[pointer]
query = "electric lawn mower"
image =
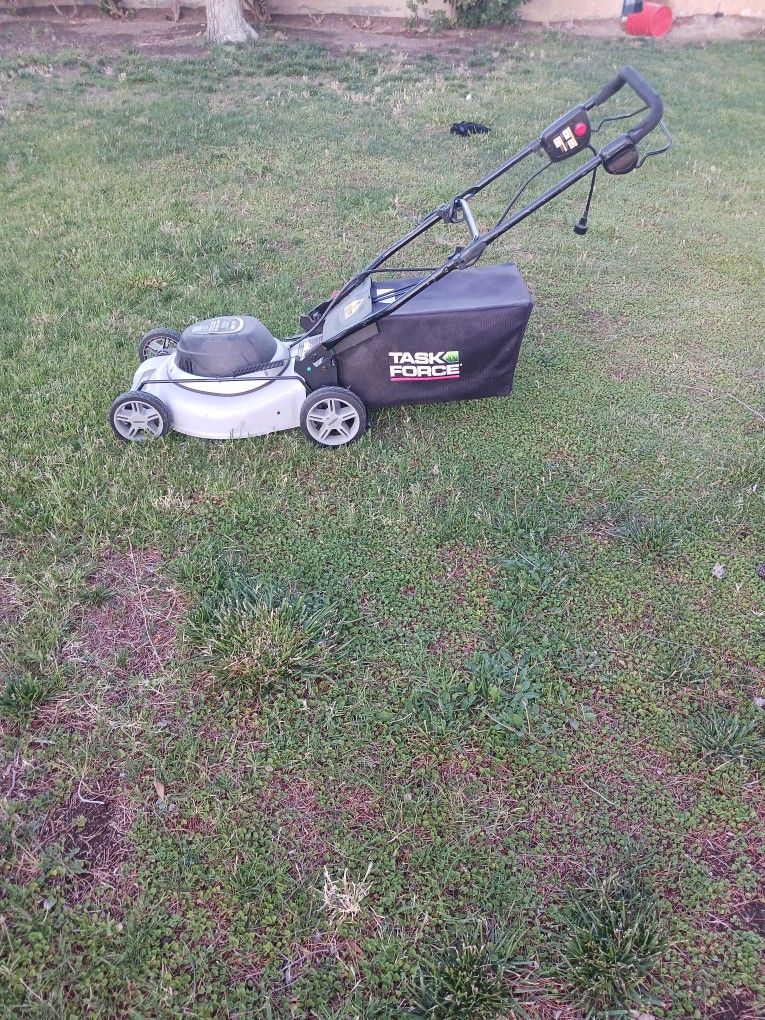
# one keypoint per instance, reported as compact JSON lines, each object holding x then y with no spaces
{"x":452,"y":332}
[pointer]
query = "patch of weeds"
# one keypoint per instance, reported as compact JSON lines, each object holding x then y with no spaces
{"x":720,"y":736}
{"x":506,"y":686}
{"x":474,"y":980}
{"x":256,"y":639}
{"x":649,"y":534}
{"x":440,"y":709}
{"x":496,"y":686}
{"x":97,"y":594}
{"x":682,"y":664}
{"x":531,"y":523}
{"x":114,"y":9}
{"x":413,"y":6}
{"x":58,"y":863}
{"x":440,"y":21}
{"x":487,"y":12}
{"x":536,"y":570}
{"x":356,"y":1009}
{"x":505,"y":689}
{"x":539,"y":639}
{"x":23,"y":695}
{"x":612,"y":940}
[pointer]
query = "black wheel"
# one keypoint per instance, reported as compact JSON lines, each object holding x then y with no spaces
{"x":333,"y":416}
{"x":158,"y":341}
{"x":137,"y":417}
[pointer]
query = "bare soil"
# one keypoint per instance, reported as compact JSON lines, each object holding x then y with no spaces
{"x":134,"y":630}
{"x":153,"y":32}
{"x":93,"y":827}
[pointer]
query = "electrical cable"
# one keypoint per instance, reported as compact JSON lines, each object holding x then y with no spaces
{"x":617,"y":116}
{"x":520,"y":191}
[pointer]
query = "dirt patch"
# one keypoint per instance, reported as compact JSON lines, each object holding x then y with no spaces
{"x":75,"y":714}
{"x":92,"y":831}
{"x":602,"y":530}
{"x":460,"y":563}
{"x":719,"y":852}
{"x":480,"y":786}
{"x":305,"y":824}
{"x":551,"y":1009}
{"x":318,"y":948}
{"x":451,"y":645}
{"x":738,"y":1006}
{"x":360,"y":807}
{"x":129,"y":625}
{"x":592,"y":794}
{"x":10,"y":601}
{"x":465,"y":572}
{"x":753,"y":915}
{"x":301,"y":958}
{"x":149,"y":32}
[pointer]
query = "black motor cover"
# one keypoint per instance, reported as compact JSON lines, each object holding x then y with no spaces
{"x":229,"y":345}
{"x":457,"y":340}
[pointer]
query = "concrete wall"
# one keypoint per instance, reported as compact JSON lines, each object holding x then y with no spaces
{"x":355,"y":8}
{"x":559,"y":10}
{"x":542,"y":11}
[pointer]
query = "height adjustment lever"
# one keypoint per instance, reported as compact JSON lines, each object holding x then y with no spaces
{"x":458,"y":211}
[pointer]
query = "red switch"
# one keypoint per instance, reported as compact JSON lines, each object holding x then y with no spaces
{"x":580,"y":129}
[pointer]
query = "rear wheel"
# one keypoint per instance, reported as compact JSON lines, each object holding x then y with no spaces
{"x":333,"y":416}
{"x":137,"y":417}
{"x":158,"y":341}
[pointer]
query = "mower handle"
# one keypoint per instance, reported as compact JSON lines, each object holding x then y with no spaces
{"x":638,"y":84}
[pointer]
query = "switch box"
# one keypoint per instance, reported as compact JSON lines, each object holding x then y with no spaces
{"x":568,"y":135}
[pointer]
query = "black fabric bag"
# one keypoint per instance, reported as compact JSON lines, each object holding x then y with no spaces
{"x":457,"y":340}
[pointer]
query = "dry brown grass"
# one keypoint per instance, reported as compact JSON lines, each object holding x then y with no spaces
{"x":134,"y":631}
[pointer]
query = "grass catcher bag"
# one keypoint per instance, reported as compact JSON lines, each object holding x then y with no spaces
{"x":457,"y":340}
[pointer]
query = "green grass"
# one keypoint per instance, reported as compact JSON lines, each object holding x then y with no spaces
{"x":612,"y":941}
{"x":482,"y":650}
{"x":22,"y":696}
{"x":720,"y":737}
{"x":474,"y":980}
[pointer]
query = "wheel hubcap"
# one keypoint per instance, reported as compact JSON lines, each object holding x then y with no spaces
{"x":159,"y":345}
{"x":135,"y":419}
{"x":333,"y":421}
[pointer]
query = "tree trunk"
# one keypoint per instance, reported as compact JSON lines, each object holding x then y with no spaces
{"x":225,"y":22}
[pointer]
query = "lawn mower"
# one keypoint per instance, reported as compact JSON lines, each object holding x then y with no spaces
{"x":426,"y":335}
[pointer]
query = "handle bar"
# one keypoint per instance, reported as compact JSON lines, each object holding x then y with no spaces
{"x":638,"y":84}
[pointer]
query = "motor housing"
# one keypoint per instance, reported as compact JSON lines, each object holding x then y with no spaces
{"x":229,"y":346}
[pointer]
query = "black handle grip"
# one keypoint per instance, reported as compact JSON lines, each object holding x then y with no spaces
{"x":638,"y":84}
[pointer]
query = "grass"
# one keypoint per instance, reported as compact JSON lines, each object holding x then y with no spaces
{"x":611,"y":945}
{"x":471,"y":649}
{"x":720,"y":736}
{"x":22,"y":696}
{"x":470,"y":981}
{"x":255,"y":640}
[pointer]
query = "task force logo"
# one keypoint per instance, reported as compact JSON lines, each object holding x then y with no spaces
{"x":421,"y":365}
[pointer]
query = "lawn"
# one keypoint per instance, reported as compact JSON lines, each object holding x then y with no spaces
{"x":464,"y":710}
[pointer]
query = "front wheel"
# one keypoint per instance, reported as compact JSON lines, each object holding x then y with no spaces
{"x":158,"y":341}
{"x":137,"y":417}
{"x":333,"y":416}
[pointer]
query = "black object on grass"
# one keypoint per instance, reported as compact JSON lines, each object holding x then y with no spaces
{"x":463,"y":128}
